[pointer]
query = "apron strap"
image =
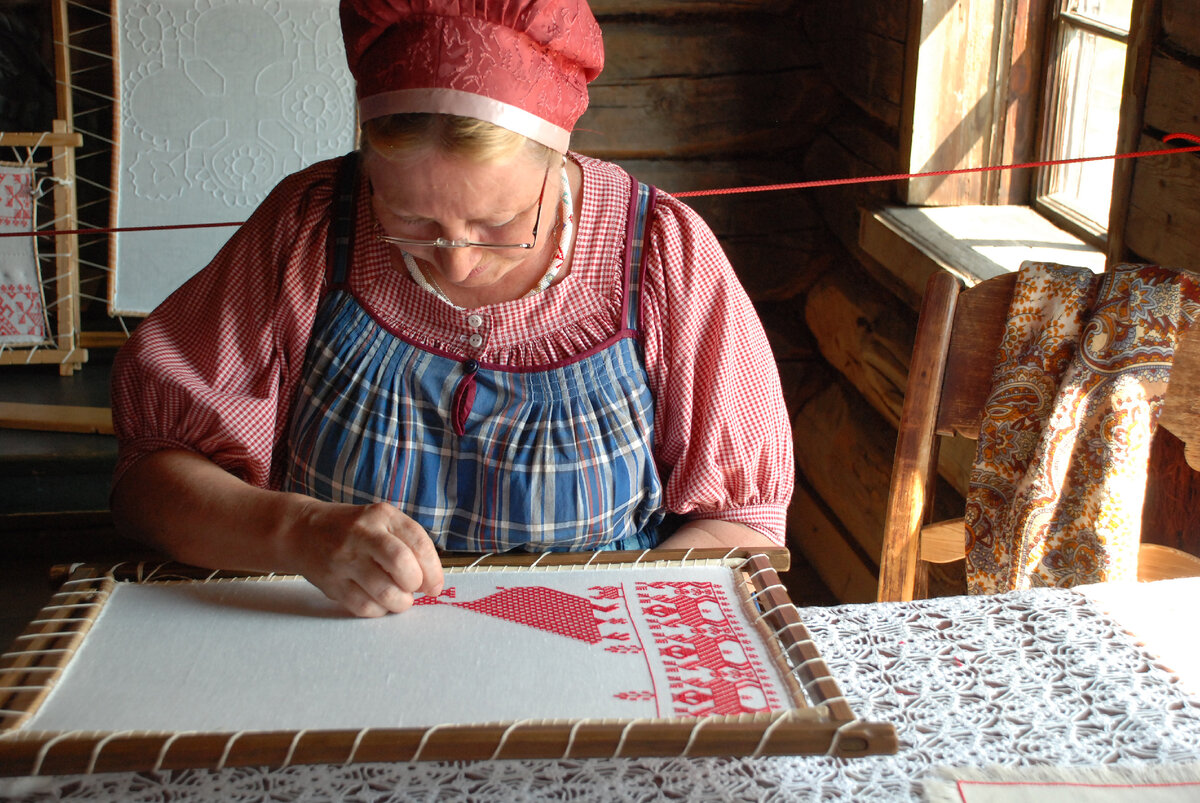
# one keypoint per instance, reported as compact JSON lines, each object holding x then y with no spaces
{"x":341,"y":240}
{"x":637,"y":235}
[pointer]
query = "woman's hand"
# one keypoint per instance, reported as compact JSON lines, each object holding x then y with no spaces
{"x":370,"y":559}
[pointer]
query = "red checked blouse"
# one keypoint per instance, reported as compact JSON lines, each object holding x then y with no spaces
{"x":216,"y":367}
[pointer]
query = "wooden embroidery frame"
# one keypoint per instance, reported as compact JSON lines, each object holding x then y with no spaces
{"x":55,"y":153}
{"x":826,"y":724}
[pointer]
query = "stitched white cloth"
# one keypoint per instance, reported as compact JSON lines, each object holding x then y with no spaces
{"x":1040,"y":677}
{"x":22,"y":309}
{"x":600,"y":644}
{"x":219,"y":100}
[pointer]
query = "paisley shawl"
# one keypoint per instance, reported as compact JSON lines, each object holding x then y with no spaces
{"x":1059,"y":478}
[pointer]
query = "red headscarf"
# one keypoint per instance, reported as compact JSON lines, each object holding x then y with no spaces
{"x":521,"y":64}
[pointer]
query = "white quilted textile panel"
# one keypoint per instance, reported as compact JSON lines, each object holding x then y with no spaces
{"x":217,"y":100}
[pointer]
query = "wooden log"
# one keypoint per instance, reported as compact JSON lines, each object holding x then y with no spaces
{"x":745,"y":170}
{"x":1170,"y":96}
{"x":863,"y":332}
{"x":684,"y":87}
{"x":1164,"y":208}
{"x":790,"y":340}
{"x":696,"y":48}
{"x":1181,"y":25}
{"x":1171,"y":511}
{"x":870,"y":71}
{"x":844,"y":450}
{"x":812,"y":528}
{"x":832,"y":22}
{"x":851,"y":148}
{"x":684,"y":116}
{"x":817,"y":535}
{"x":866,"y":334}
{"x":759,"y":213}
{"x":781,"y":268}
{"x":801,"y":380}
{"x":862,"y":49}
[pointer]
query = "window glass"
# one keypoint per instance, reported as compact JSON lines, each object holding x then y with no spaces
{"x":1115,"y":13}
{"x":1090,"y":74}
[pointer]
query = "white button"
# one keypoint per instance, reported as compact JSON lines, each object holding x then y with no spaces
{"x":475,"y":340}
{"x":474,"y":321}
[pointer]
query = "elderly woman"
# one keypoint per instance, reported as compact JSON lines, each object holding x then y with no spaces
{"x":461,"y":337}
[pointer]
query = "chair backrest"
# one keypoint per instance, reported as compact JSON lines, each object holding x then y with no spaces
{"x":1181,"y":408}
{"x":950,"y":375}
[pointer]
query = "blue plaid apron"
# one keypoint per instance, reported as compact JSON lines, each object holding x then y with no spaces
{"x":485,"y":459}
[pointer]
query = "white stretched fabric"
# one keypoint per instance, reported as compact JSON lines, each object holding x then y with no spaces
{"x":261,"y":655}
{"x":217,"y":101}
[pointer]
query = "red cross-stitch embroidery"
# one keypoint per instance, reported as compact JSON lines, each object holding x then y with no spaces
{"x":543,"y":608}
{"x":16,"y":200}
{"x":20,"y":310}
{"x":712,"y":664}
{"x":21,"y":315}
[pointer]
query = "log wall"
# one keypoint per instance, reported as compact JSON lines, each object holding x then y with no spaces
{"x":702,"y":94}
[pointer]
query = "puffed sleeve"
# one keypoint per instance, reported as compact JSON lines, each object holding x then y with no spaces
{"x":723,"y":438}
{"x":213,"y":369}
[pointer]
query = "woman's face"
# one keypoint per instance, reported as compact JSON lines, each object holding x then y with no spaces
{"x":430,"y":194}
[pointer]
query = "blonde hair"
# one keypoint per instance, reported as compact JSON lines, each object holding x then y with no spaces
{"x":398,"y":135}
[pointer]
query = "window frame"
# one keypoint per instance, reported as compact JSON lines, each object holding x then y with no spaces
{"x":908,"y":243}
{"x":1060,"y":21}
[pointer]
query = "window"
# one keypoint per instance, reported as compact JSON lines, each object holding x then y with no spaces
{"x":1082,"y":109}
{"x":994,"y":82}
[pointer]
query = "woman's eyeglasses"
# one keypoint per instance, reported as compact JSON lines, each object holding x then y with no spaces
{"x":442,"y":242}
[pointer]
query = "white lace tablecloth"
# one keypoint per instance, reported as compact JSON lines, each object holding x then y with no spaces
{"x":1041,"y":677}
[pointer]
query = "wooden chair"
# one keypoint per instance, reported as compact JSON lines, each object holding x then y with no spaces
{"x":958,"y":334}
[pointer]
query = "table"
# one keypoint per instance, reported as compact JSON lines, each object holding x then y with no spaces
{"x":1040,"y":677}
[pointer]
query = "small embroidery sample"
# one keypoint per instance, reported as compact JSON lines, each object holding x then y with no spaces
{"x":22,"y":311}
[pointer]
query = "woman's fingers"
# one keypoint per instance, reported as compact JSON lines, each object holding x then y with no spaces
{"x":374,"y":558}
{"x":357,"y":601}
{"x":410,"y":557}
{"x":384,"y":591}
